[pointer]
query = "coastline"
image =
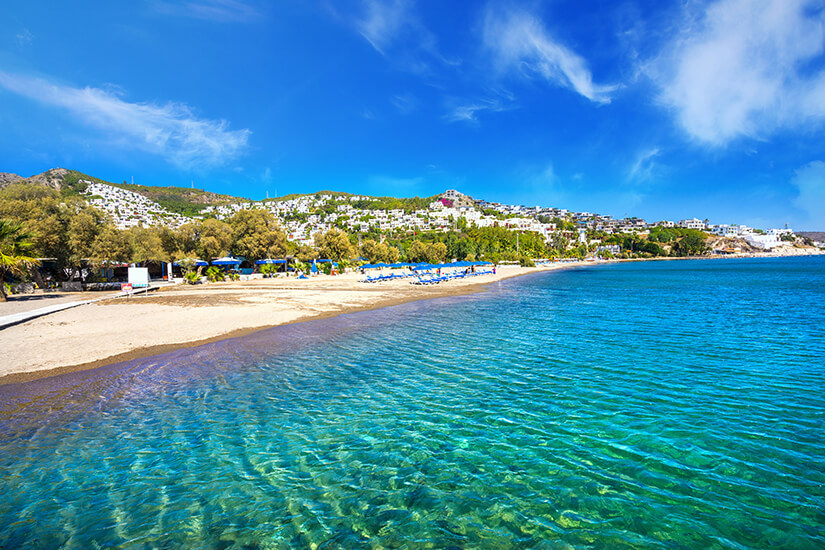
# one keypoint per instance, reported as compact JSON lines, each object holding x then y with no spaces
{"x":188,"y":316}
{"x":97,"y":335}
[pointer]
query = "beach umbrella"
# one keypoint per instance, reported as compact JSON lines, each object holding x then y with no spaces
{"x":227,"y":260}
{"x":196,"y":262}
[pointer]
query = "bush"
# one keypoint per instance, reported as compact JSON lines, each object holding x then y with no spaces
{"x":525,"y":261}
{"x":192,"y":277}
{"x":214,"y":274}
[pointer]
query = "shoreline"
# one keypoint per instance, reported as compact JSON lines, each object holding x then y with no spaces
{"x":168,"y":309}
{"x":387,"y":295}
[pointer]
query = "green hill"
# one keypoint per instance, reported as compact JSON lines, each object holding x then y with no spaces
{"x":189,"y":202}
{"x":181,"y":200}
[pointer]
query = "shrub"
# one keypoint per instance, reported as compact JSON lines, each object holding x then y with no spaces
{"x":192,"y":277}
{"x":214,"y":274}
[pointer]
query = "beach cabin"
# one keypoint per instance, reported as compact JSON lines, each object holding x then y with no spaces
{"x":158,"y":269}
{"x":114,"y":271}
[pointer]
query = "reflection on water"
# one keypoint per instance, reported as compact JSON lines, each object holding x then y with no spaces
{"x":674,"y":404}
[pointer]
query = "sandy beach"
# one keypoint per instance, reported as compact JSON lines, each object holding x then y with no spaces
{"x":110,"y":331}
{"x":173,"y":317}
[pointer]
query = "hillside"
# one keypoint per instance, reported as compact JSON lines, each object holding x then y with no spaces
{"x":179,"y":200}
{"x":813,"y":235}
{"x":6,"y":179}
{"x":367,"y":202}
{"x":190,"y":201}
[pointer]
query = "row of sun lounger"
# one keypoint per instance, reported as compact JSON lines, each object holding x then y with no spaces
{"x":433,"y":279}
{"x":388,"y":277}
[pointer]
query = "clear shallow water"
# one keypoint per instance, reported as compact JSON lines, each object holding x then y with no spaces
{"x":667,"y":404}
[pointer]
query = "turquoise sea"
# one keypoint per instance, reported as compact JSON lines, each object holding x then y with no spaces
{"x":638,"y":405}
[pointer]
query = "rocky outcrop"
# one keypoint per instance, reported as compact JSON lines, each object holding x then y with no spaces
{"x":6,"y":179}
{"x":50,"y":178}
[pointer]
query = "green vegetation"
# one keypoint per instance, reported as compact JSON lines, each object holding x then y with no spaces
{"x":373,"y":203}
{"x":63,"y":227}
{"x":15,"y":244}
{"x":677,"y":242}
{"x":181,"y":200}
{"x":335,"y":245}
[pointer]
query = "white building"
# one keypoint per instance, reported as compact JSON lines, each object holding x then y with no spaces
{"x":725,"y":230}
{"x":692,"y":223}
{"x":765,"y":242}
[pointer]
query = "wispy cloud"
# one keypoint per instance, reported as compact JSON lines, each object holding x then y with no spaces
{"x":223,"y":11}
{"x":745,"y":68}
{"x":383,"y":22}
{"x":170,"y":130}
{"x":519,"y":41}
{"x":24,"y":38}
{"x":810,"y":182}
{"x":405,"y":103}
{"x":644,"y":166}
{"x":395,"y":30}
{"x":466,"y":111}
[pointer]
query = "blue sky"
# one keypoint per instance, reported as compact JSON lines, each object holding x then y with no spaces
{"x":662,"y":110}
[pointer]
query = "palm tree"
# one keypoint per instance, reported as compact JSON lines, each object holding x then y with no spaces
{"x":14,"y":243}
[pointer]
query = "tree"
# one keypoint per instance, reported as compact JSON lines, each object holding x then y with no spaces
{"x":188,"y":239}
{"x":146,"y":245}
{"x":417,"y":252}
{"x":14,"y":246}
{"x":83,"y":230}
{"x":335,"y":245}
{"x":368,"y":250}
{"x":215,"y":239}
{"x":436,"y":253}
{"x":43,"y":215}
{"x":256,"y":235}
{"x":379,"y":253}
{"x":111,"y":245}
{"x":393,"y":254}
{"x":305,"y":253}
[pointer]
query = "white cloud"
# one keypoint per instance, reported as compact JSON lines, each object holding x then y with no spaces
{"x":405,"y":103}
{"x":644,"y":166}
{"x":466,"y":111}
{"x":810,"y":181}
{"x":394,"y":29}
{"x":519,"y":41}
{"x":743,"y":68}
{"x":224,"y":11}
{"x":382,"y":23}
{"x":171,"y":130}
{"x":24,"y":38}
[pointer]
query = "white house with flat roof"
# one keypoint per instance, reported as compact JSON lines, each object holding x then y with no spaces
{"x":765,"y":242}
{"x":692,"y":223}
